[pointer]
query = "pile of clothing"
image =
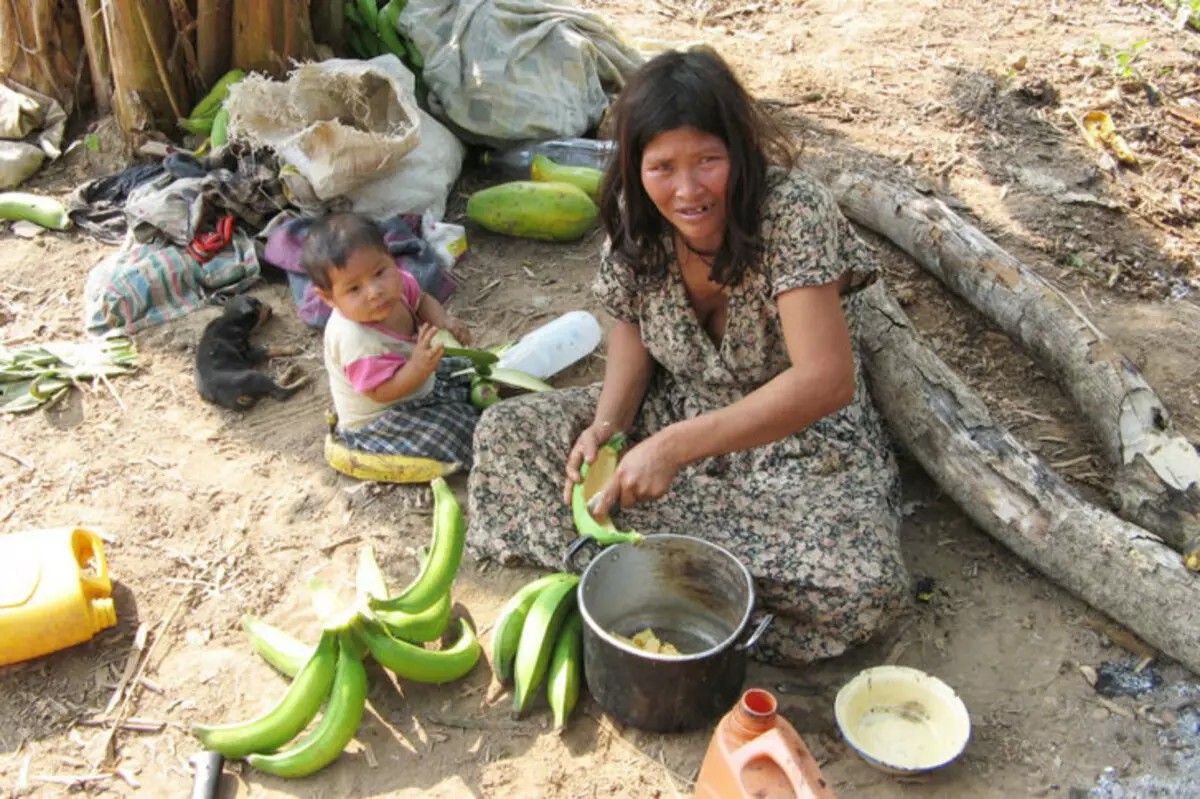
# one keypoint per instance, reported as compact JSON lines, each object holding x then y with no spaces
{"x":195,"y":231}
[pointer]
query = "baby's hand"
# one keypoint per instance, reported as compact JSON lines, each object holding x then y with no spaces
{"x":459,"y":330}
{"x":426,"y":355}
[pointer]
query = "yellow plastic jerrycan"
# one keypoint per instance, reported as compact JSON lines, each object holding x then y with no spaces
{"x":756,"y":754}
{"x":54,"y":591}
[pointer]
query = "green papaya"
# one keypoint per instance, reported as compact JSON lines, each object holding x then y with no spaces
{"x":548,"y":211}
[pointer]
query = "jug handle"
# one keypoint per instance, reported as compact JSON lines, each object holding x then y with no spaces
{"x":756,"y":634}
{"x":766,"y":746}
{"x":85,"y":543}
{"x":573,"y":552}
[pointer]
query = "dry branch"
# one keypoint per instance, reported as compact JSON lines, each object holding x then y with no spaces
{"x":1114,"y":566}
{"x":1157,"y":484}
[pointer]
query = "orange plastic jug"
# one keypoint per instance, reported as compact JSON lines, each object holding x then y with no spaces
{"x":757,"y":753}
{"x":54,"y":591}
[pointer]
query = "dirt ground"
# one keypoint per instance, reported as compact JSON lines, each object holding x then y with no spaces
{"x":211,"y":515}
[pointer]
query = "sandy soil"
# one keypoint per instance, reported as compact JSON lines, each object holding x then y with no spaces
{"x":212,"y":514}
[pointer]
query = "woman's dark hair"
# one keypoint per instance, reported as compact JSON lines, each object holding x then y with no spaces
{"x":332,"y":239}
{"x":692,"y":89}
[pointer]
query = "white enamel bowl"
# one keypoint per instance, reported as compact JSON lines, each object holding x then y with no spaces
{"x":902,"y":720}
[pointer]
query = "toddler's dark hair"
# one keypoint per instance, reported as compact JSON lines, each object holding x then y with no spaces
{"x":332,"y":239}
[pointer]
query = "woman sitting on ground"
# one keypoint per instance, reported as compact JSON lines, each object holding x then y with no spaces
{"x":732,"y":365}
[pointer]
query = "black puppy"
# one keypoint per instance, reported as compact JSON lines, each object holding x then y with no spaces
{"x":225,"y":361}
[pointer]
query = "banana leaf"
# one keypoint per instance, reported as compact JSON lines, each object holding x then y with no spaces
{"x":34,"y":375}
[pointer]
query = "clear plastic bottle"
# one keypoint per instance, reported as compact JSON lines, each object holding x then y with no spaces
{"x":554,"y":346}
{"x":513,"y":162}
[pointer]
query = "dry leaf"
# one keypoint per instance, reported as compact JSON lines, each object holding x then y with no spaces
{"x":1102,"y":134}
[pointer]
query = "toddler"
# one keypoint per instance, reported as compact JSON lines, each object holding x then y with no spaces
{"x":392,"y":389}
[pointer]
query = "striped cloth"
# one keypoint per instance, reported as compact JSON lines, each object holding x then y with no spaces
{"x":440,"y":425}
{"x":148,"y":284}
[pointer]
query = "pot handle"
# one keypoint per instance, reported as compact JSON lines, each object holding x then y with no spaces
{"x":573,"y":551}
{"x":763,"y":624}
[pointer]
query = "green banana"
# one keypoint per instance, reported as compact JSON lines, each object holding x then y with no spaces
{"x":285,"y":653}
{"x":414,"y":56}
{"x":484,"y":393}
{"x":566,"y":668}
{"x":506,"y":634}
{"x":416,"y":628}
{"x":370,"y":14}
{"x":343,"y":714}
{"x":287,"y":718}
{"x":389,"y":15}
{"x":416,"y":663}
{"x":603,"y":466}
{"x":434,"y":581}
{"x":351,"y":14}
{"x":538,"y":636}
{"x":220,"y":129}
{"x":212,"y":102}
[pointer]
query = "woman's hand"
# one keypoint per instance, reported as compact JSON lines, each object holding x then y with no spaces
{"x":584,"y":451}
{"x":645,"y":472}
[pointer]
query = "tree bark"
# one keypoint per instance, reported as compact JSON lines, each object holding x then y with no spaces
{"x":1157,"y":484}
{"x":41,"y":47}
{"x":1112,"y":565}
{"x":145,"y":94}
{"x":267,"y":34}
{"x":94,"y":40}
{"x":214,"y":39}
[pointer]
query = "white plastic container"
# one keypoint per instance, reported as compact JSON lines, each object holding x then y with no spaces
{"x":554,"y":346}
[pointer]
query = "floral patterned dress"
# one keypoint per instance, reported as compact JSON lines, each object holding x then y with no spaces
{"x":814,"y":516}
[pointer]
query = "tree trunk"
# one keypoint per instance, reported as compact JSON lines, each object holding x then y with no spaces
{"x":1112,"y":565}
{"x":214,"y":39}
{"x":327,"y":21}
{"x":41,"y":47}
{"x":1157,"y":484}
{"x":92,"y":20}
{"x":146,"y":95}
{"x":267,"y":34}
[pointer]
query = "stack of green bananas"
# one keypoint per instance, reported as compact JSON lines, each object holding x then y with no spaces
{"x":210,"y":113}
{"x":539,"y":637}
{"x":392,"y":629}
{"x":374,"y":31}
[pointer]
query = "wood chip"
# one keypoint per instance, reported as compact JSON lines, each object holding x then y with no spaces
{"x":151,"y":685}
{"x":126,"y":775}
{"x":1121,"y":637}
{"x":1089,"y":674}
{"x":1120,"y":710}
{"x":23,"y":775}
{"x":59,"y":779}
{"x":1070,"y":462}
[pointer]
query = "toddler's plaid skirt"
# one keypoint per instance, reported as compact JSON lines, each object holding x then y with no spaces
{"x":439,"y":425}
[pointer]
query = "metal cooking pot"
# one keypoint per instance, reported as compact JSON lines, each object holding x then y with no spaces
{"x":693,"y":594}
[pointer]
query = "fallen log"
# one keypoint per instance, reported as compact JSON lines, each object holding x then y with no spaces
{"x":1157,"y":483}
{"x":1112,"y":565}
